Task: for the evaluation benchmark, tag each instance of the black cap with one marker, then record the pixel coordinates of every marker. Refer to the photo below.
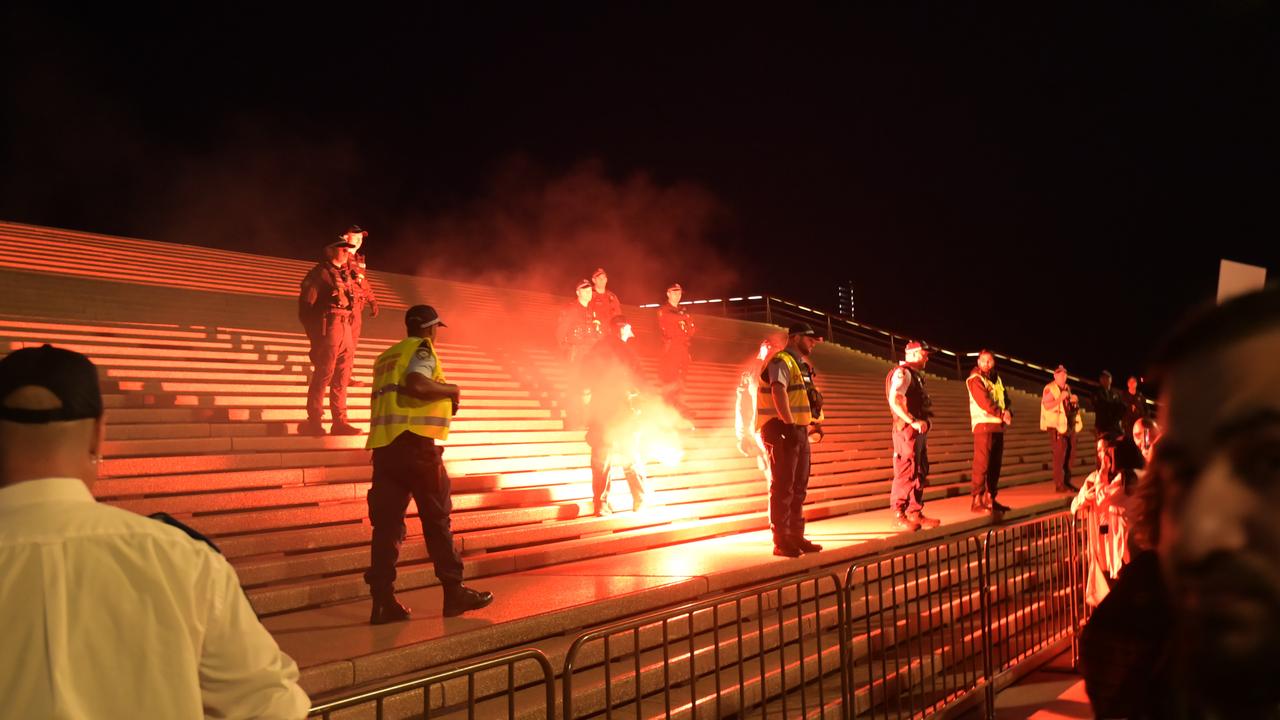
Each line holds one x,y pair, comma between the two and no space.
583,284
68,375
802,329
421,316
340,244
355,230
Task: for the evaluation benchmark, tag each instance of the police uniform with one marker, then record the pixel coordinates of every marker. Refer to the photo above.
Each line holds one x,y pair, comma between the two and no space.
407,463
605,306
578,330
326,309
910,451
677,328
787,447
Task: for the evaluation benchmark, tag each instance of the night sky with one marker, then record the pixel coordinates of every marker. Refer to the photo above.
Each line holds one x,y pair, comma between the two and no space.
1058,186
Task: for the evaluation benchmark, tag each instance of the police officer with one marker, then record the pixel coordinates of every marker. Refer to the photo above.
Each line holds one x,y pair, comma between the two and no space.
364,296
785,413
604,303
677,329
412,407
577,331
326,304
911,408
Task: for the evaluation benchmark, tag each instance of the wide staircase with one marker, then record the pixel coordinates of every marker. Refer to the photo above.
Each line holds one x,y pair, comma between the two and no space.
204,376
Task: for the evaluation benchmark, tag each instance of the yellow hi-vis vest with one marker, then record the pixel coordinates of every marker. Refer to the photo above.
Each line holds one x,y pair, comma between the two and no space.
1056,419
394,412
797,394
977,415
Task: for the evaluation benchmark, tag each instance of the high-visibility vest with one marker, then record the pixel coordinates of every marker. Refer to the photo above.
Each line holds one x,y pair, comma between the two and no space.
394,412
797,393
1056,419
977,415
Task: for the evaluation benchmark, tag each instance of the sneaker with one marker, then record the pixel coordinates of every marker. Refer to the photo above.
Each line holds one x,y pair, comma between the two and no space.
342,427
311,429
905,523
924,522
387,610
807,545
999,507
787,550
460,599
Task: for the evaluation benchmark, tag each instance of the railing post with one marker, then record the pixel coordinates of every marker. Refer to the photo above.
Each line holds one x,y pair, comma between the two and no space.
829,333
959,371
1077,598
988,646
893,350
768,311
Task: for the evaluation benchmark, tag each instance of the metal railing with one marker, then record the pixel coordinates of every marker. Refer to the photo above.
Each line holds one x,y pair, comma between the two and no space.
768,649
405,695
906,634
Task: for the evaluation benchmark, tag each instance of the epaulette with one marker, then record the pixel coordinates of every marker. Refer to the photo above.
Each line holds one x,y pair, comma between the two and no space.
194,534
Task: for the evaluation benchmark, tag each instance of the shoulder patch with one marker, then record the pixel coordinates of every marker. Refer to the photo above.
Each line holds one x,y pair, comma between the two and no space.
423,353
192,533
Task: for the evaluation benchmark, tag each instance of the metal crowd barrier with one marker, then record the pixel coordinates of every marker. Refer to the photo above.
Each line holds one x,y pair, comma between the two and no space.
770,649
378,698
907,634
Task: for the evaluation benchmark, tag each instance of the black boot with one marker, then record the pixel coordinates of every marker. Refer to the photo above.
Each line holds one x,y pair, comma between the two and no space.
386,609
460,598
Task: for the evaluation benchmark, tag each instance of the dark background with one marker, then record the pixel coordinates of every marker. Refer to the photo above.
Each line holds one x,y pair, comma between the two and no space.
1056,184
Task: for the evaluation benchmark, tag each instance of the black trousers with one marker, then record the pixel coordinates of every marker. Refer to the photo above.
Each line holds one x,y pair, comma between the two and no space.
1064,444
988,454
411,466
788,481
910,469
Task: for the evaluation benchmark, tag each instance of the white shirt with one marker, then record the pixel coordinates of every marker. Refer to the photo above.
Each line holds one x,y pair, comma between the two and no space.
108,614
422,362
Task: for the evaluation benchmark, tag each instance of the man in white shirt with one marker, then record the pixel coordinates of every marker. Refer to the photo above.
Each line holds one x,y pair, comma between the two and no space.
107,613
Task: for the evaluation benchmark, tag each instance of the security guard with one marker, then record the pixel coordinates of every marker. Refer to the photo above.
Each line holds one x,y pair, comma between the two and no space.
988,415
1060,416
325,309
364,295
411,409
785,413
911,407
577,331
677,329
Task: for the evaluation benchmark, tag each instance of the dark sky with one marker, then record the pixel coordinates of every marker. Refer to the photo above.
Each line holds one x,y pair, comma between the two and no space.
1058,185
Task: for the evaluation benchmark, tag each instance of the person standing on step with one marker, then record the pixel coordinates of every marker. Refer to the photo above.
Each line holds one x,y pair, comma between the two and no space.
614,375
364,295
912,410
676,325
604,304
1060,417
1108,415
577,331
326,304
988,415
412,405
107,613
788,406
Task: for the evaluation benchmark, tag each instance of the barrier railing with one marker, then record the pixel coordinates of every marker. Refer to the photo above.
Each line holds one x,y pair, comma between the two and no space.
437,704
906,634
769,649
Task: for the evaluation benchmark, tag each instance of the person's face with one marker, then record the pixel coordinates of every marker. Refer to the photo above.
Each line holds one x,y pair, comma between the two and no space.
673,296
1218,465
1145,438
1106,460
356,239
1105,382
808,343
1060,378
1132,384
986,362
584,295
600,280
917,357
338,255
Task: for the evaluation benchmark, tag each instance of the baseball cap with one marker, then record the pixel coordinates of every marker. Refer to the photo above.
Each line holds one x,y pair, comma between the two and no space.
422,316
70,376
801,329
